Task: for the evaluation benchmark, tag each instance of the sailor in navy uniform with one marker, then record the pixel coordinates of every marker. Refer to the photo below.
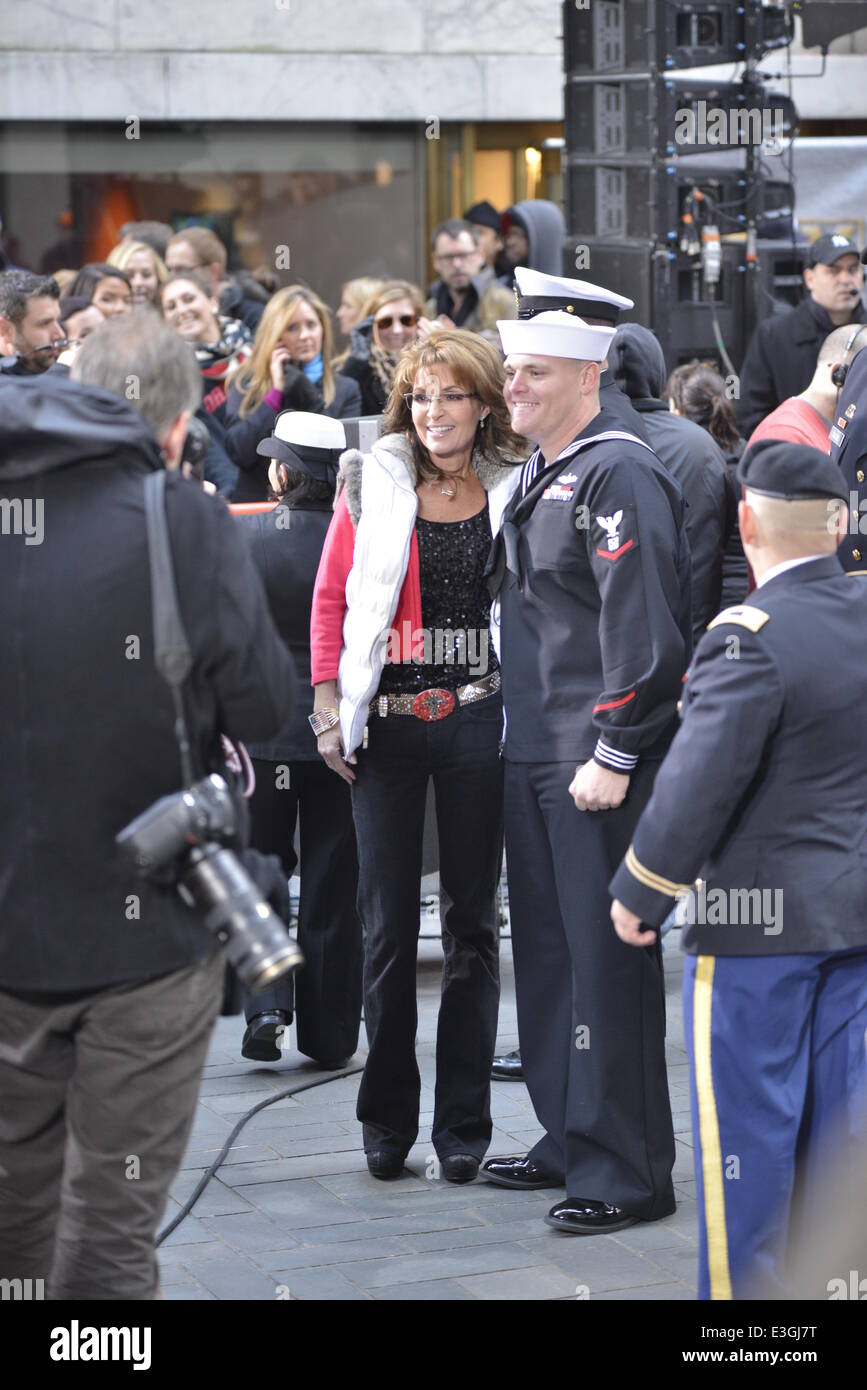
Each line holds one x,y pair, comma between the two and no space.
848,436
592,571
538,293
764,793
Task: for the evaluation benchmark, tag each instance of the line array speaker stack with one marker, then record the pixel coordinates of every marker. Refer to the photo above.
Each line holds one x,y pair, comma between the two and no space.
673,183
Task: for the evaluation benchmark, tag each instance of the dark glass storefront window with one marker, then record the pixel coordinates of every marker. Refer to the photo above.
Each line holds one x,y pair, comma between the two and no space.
318,204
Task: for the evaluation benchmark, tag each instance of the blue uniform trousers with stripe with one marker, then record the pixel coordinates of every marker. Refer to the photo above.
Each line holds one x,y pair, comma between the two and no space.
778,1073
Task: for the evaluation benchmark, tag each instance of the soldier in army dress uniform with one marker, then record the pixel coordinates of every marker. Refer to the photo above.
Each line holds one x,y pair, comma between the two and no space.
764,793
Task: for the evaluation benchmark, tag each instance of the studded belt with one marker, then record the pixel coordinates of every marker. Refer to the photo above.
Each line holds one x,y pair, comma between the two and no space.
436,703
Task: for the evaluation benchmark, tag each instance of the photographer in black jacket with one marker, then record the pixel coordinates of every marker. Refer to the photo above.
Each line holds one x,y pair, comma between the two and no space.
109,985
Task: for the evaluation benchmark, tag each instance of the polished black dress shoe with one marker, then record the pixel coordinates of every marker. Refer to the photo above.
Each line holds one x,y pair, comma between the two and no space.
382,1163
519,1172
508,1067
261,1041
582,1216
459,1168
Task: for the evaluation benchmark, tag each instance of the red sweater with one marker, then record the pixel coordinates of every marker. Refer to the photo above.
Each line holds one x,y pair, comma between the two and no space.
329,597
794,421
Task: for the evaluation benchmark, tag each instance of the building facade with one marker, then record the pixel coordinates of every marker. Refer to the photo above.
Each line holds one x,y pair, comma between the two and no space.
321,137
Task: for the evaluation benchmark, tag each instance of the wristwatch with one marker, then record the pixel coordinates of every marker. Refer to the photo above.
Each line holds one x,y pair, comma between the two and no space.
323,720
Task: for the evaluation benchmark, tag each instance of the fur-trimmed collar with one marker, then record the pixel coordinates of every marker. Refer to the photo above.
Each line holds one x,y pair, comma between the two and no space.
489,469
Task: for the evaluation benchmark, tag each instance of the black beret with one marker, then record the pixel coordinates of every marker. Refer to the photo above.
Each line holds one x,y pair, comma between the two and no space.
792,472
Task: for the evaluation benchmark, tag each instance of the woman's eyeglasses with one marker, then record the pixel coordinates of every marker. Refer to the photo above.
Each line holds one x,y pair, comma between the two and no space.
446,398
389,320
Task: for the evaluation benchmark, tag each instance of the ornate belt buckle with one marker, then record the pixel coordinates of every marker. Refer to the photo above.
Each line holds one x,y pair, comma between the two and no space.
382,706
433,704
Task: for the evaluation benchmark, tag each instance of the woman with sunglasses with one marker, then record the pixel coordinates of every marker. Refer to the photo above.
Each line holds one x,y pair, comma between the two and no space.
389,323
400,622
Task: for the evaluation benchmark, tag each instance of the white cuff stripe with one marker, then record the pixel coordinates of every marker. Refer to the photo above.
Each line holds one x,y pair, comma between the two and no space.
622,761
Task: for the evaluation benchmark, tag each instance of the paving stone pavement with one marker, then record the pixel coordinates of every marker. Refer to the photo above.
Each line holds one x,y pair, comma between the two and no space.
294,1214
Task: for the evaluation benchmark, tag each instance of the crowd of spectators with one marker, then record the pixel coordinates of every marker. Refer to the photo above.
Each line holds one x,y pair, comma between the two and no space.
256,364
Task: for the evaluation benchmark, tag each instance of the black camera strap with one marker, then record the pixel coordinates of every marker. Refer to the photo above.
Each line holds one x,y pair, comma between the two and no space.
172,654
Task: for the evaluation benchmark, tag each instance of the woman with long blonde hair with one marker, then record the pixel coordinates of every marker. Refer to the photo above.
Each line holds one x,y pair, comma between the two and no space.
408,639
389,323
288,369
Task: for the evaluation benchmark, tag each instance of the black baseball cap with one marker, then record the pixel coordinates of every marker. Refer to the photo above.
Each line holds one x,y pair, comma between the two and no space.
829,249
790,472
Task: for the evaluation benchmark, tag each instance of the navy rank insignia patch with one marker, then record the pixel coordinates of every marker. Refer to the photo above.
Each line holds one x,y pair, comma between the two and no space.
616,544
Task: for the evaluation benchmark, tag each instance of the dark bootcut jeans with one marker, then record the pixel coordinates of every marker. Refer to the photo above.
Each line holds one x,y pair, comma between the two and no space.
461,753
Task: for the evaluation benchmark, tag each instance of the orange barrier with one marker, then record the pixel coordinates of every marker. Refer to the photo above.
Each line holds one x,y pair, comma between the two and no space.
250,508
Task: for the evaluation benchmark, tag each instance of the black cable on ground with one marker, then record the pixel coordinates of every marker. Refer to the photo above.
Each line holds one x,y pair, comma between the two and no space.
206,1177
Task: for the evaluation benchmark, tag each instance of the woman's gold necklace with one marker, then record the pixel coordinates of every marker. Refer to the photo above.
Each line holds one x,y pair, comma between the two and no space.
447,486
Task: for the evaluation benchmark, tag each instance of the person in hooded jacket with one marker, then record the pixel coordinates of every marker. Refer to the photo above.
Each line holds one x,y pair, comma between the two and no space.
533,233
690,455
109,982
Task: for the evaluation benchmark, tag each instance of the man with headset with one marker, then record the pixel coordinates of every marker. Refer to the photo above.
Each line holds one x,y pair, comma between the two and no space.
808,417
849,444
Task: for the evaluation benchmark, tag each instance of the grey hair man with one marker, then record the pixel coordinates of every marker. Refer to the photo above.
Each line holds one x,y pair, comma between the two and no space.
109,984
141,359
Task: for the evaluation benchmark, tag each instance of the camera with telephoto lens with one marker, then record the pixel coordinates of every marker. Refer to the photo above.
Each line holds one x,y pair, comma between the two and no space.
183,840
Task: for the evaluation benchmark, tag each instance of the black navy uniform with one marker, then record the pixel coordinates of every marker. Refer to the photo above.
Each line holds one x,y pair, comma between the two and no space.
595,614
764,793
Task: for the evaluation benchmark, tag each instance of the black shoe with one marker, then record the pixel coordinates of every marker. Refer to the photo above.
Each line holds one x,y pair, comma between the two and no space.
331,1066
508,1068
519,1172
582,1216
459,1168
262,1039
382,1163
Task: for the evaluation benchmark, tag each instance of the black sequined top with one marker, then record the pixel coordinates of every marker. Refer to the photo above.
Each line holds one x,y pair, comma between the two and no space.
454,647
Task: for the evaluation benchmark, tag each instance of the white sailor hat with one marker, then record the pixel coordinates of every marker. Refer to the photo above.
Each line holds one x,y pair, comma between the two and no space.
555,333
310,443
538,293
